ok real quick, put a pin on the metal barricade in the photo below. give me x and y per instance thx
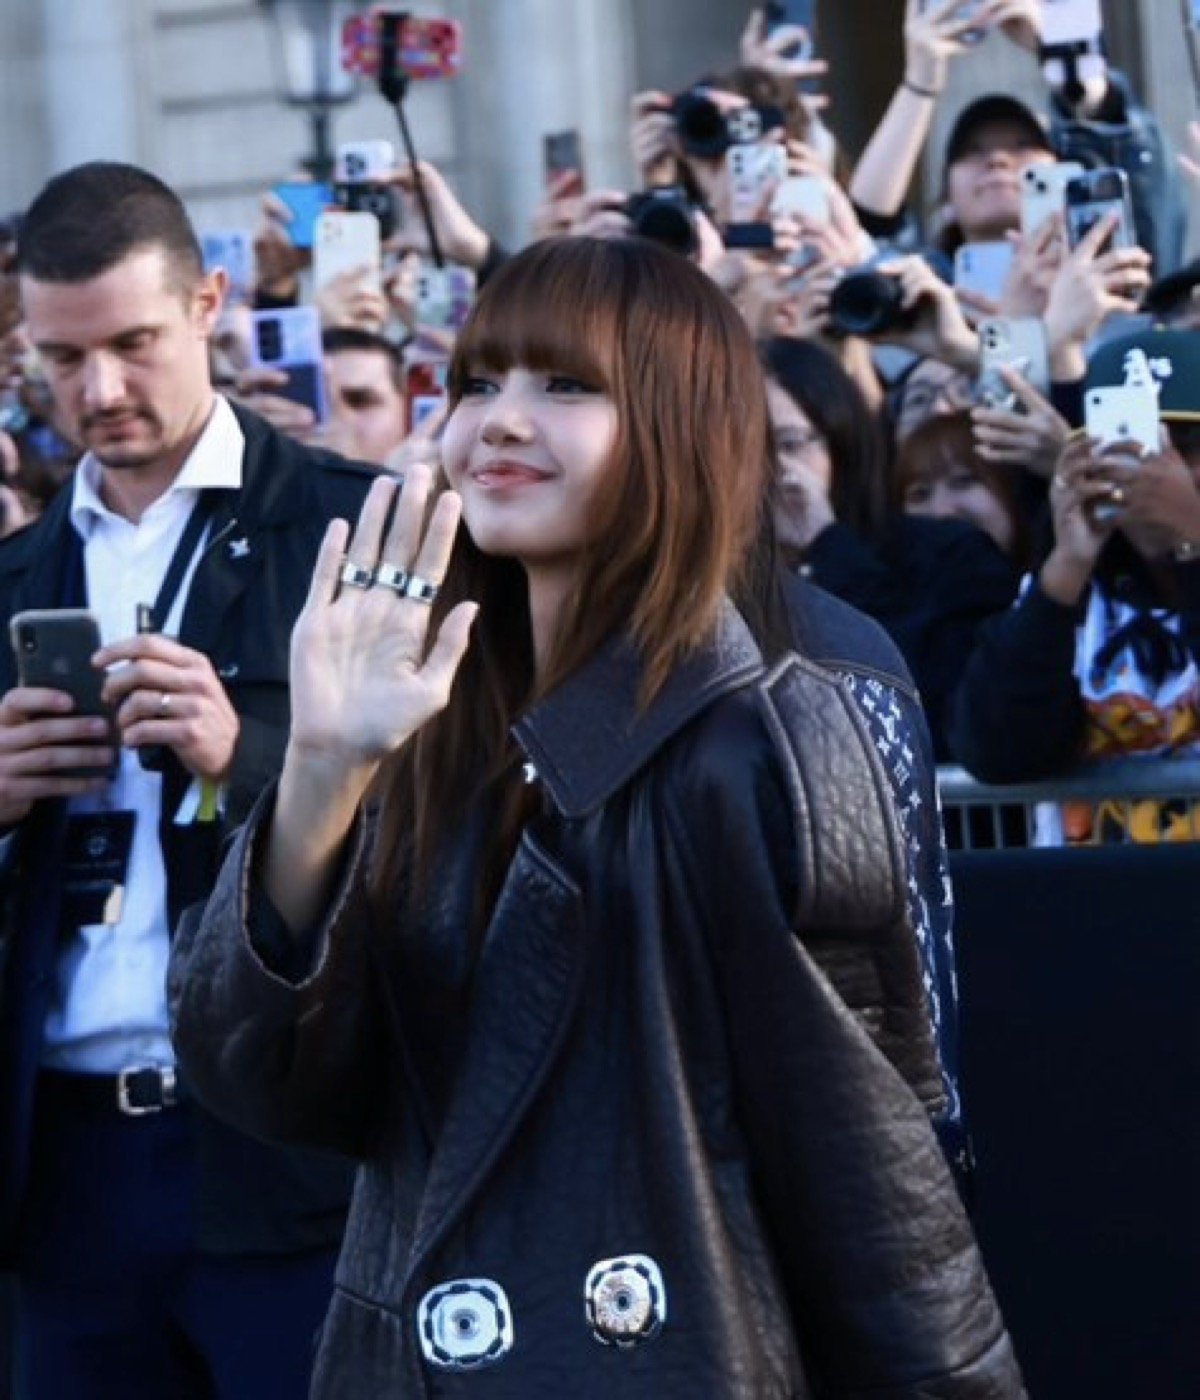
(1079, 970)
(979, 816)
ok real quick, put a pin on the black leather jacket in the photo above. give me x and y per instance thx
(670, 1159)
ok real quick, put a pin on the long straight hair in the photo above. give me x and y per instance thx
(675, 516)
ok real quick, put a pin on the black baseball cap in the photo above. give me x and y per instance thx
(1171, 357)
(996, 107)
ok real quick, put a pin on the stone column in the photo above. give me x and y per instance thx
(91, 82)
(532, 67)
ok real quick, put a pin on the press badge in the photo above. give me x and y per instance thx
(96, 866)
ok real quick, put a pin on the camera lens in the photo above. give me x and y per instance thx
(702, 128)
(664, 216)
(270, 340)
(866, 303)
(28, 639)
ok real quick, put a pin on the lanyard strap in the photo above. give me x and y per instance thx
(185, 551)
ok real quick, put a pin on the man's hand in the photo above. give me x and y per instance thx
(1155, 494)
(40, 739)
(170, 695)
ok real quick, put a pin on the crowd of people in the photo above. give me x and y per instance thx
(511, 792)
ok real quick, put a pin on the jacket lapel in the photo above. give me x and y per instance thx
(586, 739)
(526, 990)
(274, 494)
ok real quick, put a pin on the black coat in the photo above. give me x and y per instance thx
(646, 1064)
(244, 598)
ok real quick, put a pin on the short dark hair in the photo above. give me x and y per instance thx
(91, 217)
(352, 338)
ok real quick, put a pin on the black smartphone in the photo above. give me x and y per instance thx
(54, 649)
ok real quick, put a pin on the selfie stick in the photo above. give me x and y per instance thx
(393, 84)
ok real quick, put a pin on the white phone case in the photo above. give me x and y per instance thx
(1044, 192)
(1018, 342)
(802, 194)
(344, 241)
(1124, 413)
(754, 167)
(359, 161)
(983, 268)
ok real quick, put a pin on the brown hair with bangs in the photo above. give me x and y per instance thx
(676, 516)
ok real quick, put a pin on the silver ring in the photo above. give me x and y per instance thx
(420, 590)
(1117, 496)
(388, 576)
(355, 576)
(164, 703)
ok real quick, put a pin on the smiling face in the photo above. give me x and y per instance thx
(983, 186)
(526, 449)
(126, 357)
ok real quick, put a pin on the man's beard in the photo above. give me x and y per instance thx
(120, 456)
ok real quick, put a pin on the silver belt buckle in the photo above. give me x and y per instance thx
(166, 1090)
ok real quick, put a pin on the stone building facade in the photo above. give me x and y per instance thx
(190, 88)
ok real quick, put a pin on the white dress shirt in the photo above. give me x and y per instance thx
(109, 1006)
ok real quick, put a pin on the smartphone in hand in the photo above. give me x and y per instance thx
(1123, 413)
(1094, 195)
(289, 340)
(983, 268)
(343, 242)
(562, 164)
(305, 202)
(54, 649)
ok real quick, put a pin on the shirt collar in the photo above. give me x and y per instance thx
(215, 462)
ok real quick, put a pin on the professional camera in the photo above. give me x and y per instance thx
(665, 215)
(868, 302)
(704, 130)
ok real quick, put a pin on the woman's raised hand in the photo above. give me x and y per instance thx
(368, 669)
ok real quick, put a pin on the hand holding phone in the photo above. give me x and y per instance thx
(346, 242)
(1123, 413)
(305, 202)
(1093, 195)
(289, 340)
(63, 742)
(562, 164)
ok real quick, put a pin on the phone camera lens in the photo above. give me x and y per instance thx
(28, 641)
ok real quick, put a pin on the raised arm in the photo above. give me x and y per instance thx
(366, 672)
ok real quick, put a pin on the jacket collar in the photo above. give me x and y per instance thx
(589, 736)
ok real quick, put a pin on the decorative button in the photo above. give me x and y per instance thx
(626, 1300)
(464, 1324)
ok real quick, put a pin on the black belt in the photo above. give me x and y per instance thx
(133, 1091)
